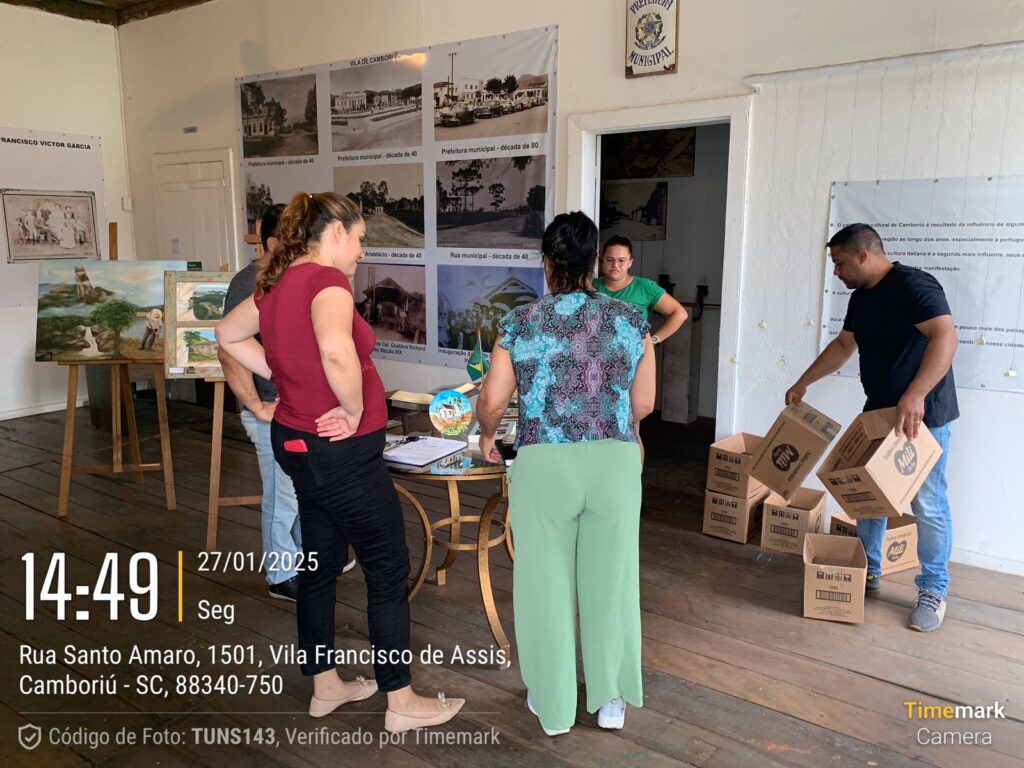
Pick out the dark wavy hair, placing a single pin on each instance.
(268, 224)
(299, 228)
(570, 251)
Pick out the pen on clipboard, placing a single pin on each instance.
(411, 439)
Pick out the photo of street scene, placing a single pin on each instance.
(279, 117)
(392, 300)
(391, 199)
(494, 202)
(278, 184)
(472, 297)
(482, 90)
(377, 106)
(634, 209)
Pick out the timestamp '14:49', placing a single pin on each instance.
(142, 586)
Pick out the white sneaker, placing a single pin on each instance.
(549, 732)
(612, 715)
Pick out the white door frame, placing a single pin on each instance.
(226, 156)
(584, 172)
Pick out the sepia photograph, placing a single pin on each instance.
(279, 117)
(634, 209)
(392, 299)
(391, 199)
(50, 225)
(495, 202)
(477, 297)
(378, 106)
(493, 87)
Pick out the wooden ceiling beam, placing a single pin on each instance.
(72, 9)
(149, 8)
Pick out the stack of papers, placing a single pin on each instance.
(420, 451)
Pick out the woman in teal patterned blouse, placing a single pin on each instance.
(584, 365)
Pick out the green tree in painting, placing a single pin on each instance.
(116, 315)
(191, 338)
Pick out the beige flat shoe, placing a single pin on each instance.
(396, 722)
(324, 707)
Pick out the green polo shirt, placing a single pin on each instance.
(640, 292)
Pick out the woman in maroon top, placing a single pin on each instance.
(328, 435)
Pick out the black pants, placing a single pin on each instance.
(345, 494)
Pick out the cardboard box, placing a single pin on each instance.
(727, 467)
(899, 545)
(728, 517)
(872, 471)
(785, 523)
(788, 453)
(835, 572)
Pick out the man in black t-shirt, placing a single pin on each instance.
(899, 320)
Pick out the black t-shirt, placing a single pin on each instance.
(243, 285)
(882, 321)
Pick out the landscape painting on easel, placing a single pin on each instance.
(101, 310)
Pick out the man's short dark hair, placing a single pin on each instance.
(856, 237)
(618, 240)
(268, 223)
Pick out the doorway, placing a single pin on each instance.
(686, 224)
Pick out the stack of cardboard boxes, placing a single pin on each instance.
(871, 472)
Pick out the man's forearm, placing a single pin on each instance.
(829, 361)
(240, 381)
(938, 357)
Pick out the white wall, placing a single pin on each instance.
(948, 119)
(60, 75)
(179, 70)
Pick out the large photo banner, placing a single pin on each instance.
(969, 234)
(449, 152)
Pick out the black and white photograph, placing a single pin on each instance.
(495, 202)
(477, 297)
(279, 117)
(648, 154)
(482, 90)
(378, 106)
(634, 209)
(392, 299)
(391, 199)
(277, 184)
(50, 225)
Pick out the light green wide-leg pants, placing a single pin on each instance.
(575, 511)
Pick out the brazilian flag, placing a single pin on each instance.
(477, 365)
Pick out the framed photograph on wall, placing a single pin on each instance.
(195, 303)
(44, 224)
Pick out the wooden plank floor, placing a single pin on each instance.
(733, 675)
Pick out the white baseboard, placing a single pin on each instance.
(42, 408)
(988, 562)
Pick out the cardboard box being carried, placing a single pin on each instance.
(728, 517)
(872, 471)
(899, 545)
(786, 523)
(788, 453)
(835, 572)
(727, 466)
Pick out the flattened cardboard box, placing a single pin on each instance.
(899, 545)
(784, 524)
(872, 471)
(835, 571)
(787, 454)
(728, 460)
(730, 518)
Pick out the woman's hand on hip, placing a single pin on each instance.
(337, 424)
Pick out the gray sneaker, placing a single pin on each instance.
(873, 585)
(929, 613)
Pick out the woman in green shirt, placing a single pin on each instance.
(644, 294)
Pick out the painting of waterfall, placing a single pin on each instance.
(101, 310)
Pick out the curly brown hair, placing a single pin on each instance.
(299, 228)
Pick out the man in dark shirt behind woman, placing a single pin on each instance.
(328, 435)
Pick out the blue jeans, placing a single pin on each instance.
(934, 526)
(280, 523)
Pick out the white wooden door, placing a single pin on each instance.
(194, 201)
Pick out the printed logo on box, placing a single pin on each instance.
(783, 455)
(906, 459)
(896, 550)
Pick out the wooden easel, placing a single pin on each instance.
(216, 501)
(120, 393)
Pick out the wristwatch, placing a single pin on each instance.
(655, 340)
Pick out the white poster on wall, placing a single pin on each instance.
(55, 204)
(969, 234)
(448, 151)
